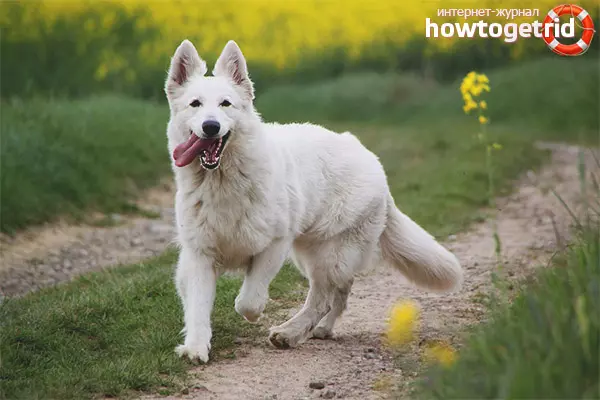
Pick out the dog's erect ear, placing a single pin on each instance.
(232, 64)
(185, 63)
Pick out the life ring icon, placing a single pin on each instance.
(582, 44)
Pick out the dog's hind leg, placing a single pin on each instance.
(297, 329)
(330, 267)
(324, 329)
(343, 280)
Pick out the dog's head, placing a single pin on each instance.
(206, 110)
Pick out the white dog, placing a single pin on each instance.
(252, 194)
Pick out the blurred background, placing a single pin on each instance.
(77, 48)
(82, 81)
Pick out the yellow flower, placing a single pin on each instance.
(403, 323)
(482, 78)
(497, 146)
(442, 353)
(469, 105)
(483, 104)
(483, 120)
(476, 90)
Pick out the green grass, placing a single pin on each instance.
(111, 332)
(545, 345)
(61, 157)
(549, 98)
(114, 331)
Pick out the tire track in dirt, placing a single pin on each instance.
(532, 226)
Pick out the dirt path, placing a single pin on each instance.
(532, 225)
(47, 255)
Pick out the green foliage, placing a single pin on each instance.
(61, 156)
(546, 344)
(551, 95)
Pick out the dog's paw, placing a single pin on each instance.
(251, 309)
(321, 332)
(284, 339)
(196, 353)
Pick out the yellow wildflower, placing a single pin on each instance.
(442, 353)
(483, 104)
(470, 105)
(483, 120)
(402, 323)
(497, 146)
(482, 78)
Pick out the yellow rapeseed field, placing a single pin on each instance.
(276, 31)
(282, 35)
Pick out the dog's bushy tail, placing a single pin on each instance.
(417, 255)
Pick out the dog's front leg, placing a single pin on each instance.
(196, 285)
(254, 294)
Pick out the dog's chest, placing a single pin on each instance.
(232, 228)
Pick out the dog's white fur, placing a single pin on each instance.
(295, 190)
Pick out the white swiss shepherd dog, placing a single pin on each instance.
(252, 194)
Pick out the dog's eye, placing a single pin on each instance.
(195, 103)
(225, 103)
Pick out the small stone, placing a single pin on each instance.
(328, 394)
(237, 340)
(185, 391)
(452, 237)
(316, 385)
(136, 241)
(370, 356)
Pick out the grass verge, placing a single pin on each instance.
(110, 332)
(545, 345)
(61, 157)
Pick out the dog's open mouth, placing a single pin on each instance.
(209, 151)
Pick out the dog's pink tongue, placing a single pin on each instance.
(186, 152)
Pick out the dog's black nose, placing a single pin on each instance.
(211, 128)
